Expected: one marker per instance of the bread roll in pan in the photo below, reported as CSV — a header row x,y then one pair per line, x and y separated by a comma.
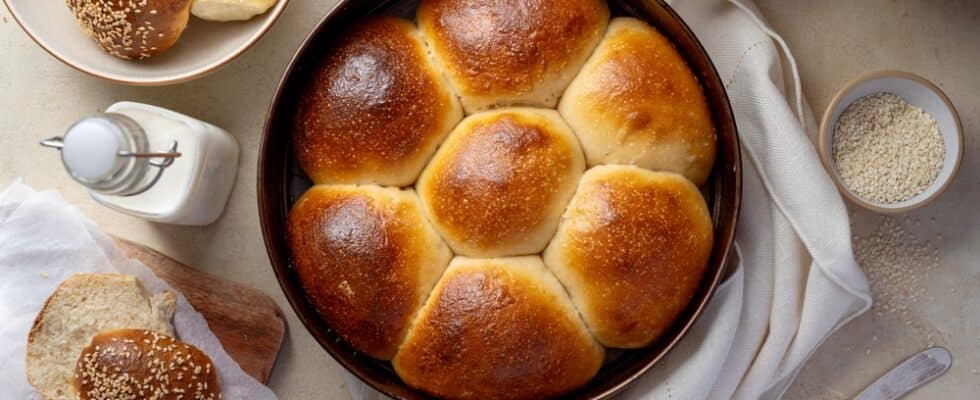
x,y
281,182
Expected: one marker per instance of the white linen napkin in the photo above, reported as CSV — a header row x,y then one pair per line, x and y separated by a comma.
x,y
797,281
43,241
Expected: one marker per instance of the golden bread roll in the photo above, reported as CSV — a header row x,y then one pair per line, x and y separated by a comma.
x,y
631,251
81,307
498,329
144,364
367,258
637,102
132,29
498,185
376,109
511,52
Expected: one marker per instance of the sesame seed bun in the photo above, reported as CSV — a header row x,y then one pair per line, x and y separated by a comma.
x,y
132,29
81,307
144,364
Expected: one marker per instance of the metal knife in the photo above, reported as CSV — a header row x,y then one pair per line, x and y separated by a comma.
x,y
915,371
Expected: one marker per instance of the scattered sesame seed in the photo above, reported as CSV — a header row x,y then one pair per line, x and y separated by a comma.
x,y
896,263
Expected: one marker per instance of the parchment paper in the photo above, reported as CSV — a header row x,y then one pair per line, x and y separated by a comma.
x,y
43,241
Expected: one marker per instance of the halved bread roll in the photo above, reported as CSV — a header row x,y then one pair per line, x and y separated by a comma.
x,y
376,109
631,250
79,309
511,52
637,102
498,329
498,185
367,258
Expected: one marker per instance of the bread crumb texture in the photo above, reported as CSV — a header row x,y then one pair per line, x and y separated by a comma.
x,y
82,307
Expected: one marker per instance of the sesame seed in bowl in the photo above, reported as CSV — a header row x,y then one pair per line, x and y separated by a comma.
x,y
892,141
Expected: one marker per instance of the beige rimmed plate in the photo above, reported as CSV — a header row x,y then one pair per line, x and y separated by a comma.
x,y
204,47
918,92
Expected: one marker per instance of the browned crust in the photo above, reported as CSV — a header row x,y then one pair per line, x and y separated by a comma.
x,y
374,105
38,323
494,184
642,87
639,243
509,46
144,362
359,263
132,29
488,333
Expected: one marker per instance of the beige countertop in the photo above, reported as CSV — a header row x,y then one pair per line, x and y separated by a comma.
x,y
833,41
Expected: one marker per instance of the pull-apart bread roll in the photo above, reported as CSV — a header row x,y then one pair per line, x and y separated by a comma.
x,y
367,258
141,364
498,185
631,250
79,309
498,329
637,102
132,29
376,109
511,52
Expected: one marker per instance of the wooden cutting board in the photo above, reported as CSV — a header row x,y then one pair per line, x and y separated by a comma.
x,y
248,323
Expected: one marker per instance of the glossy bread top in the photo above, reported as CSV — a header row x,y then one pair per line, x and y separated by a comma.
x,y
500,182
375,110
124,363
631,250
366,258
498,328
511,52
637,102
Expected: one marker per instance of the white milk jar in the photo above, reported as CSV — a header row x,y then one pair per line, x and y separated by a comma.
x,y
152,163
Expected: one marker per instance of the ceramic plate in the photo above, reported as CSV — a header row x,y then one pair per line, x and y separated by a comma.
x,y
204,47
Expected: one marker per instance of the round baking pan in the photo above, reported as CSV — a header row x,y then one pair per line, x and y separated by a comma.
x,y
281,182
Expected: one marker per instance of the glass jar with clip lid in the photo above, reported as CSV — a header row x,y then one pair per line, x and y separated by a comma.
x,y
151,162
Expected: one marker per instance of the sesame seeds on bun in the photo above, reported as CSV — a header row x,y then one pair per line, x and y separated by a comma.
x,y
143,364
132,29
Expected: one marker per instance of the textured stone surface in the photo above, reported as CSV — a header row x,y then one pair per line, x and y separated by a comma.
x,y
834,42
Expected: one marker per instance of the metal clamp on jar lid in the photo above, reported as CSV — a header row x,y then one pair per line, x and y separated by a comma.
x,y
109,153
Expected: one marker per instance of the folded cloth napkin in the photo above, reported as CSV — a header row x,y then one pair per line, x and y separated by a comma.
x,y
43,241
797,281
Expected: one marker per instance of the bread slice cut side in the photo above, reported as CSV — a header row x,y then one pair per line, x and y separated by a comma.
x,y
79,309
